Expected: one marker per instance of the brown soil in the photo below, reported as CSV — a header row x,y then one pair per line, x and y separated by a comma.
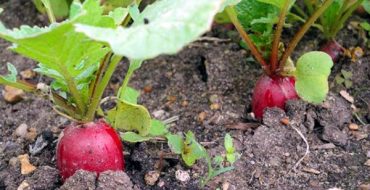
x,y
186,85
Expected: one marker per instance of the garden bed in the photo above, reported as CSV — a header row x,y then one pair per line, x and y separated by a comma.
x,y
207,85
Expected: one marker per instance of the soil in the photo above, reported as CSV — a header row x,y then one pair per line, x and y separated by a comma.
x,y
187,85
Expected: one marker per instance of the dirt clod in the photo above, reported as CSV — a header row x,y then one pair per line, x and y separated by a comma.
x,y
182,175
353,126
28,74
26,166
334,135
114,180
21,130
80,180
13,95
151,177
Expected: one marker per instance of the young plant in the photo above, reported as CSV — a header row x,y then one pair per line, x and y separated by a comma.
x,y
332,21
81,54
282,80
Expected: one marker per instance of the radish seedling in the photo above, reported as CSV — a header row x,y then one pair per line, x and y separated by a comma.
x,y
81,54
282,80
332,21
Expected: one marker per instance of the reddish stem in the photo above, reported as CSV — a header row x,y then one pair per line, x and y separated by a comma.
x,y
274,58
298,36
255,52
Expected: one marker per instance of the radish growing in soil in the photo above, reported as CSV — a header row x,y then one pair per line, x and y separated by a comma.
x,y
331,22
282,80
81,63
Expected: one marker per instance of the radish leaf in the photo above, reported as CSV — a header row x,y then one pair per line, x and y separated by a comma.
x,y
313,70
169,26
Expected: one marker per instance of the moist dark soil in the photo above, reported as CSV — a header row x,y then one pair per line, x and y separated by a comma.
x,y
208,86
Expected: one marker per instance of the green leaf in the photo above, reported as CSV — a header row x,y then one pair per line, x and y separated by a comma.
x,y
218,160
258,19
133,137
12,76
278,3
330,17
172,24
365,26
231,158
135,14
193,151
346,74
176,143
366,5
130,117
313,70
119,14
158,128
128,95
227,3
60,7
228,143
65,55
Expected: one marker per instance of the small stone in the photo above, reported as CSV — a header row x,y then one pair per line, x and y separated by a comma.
x,y
151,177
12,95
23,185
311,170
160,183
359,135
158,114
182,176
353,127
225,185
202,116
364,187
287,154
26,166
13,162
184,103
148,89
214,98
368,154
28,74
367,163
215,106
21,130
347,96
31,135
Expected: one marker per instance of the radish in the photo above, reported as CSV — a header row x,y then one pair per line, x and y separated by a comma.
x,y
278,83
272,92
332,48
93,146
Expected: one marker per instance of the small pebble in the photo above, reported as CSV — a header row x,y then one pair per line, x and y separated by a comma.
x,y
182,176
158,114
148,89
215,106
151,177
28,74
367,163
364,187
353,127
26,166
13,95
368,154
21,130
347,96
13,162
160,183
184,103
31,135
225,185
23,185
202,116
